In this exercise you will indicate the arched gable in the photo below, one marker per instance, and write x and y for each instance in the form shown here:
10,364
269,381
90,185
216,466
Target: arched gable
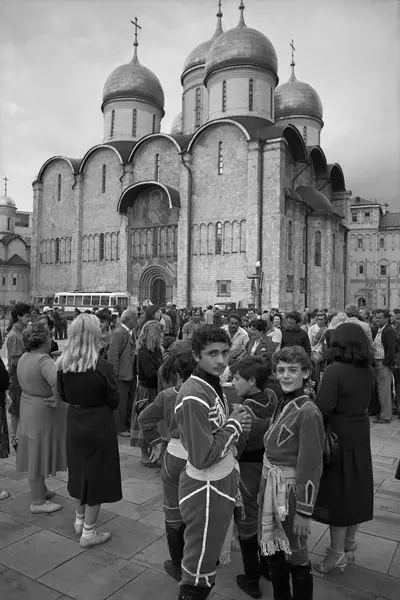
292,136
131,191
318,159
218,122
95,149
72,162
179,146
337,177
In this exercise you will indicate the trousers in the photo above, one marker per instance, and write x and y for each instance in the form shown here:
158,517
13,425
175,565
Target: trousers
171,469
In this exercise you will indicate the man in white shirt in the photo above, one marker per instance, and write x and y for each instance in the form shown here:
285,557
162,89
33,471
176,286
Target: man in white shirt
351,311
239,337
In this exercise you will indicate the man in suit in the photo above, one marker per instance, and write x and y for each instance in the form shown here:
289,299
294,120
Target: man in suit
384,346
122,356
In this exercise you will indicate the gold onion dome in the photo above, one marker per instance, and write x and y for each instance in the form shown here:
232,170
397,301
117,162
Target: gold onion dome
133,80
198,56
7,201
242,46
296,98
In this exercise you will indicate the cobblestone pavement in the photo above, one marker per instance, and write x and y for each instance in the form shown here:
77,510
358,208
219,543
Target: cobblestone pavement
40,558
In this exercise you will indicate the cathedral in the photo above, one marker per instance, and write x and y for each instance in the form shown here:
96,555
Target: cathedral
238,203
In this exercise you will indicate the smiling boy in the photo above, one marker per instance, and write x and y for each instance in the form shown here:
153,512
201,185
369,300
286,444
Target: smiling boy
208,485
290,480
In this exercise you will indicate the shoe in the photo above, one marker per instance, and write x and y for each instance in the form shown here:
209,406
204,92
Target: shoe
4,494
14,443
251,588
150,465
45,509
193,592
350,548
95,540
78,528
380,421
333,560
264,568
302,582
124,434
172,571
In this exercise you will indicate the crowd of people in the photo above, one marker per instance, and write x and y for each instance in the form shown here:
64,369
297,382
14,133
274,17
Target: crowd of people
259,423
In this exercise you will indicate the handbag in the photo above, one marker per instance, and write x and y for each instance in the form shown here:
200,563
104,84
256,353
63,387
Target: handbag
331,450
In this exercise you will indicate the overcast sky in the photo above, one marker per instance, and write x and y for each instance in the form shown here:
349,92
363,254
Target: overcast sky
55,56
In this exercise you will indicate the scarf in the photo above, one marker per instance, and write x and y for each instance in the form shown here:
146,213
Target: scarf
274,508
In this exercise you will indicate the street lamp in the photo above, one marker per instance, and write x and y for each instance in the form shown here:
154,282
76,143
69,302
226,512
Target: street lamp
256,285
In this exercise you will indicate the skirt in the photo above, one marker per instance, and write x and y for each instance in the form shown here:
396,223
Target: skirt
4,440
42,448
143,397
94,474
15,392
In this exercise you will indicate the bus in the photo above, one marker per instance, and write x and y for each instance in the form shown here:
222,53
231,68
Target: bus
42,301
88,300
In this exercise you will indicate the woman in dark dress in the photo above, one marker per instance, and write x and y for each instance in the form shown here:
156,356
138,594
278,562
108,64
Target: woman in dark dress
149,359
87,383
4,441
345,497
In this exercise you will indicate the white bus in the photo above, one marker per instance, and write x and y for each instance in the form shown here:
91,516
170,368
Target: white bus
89,300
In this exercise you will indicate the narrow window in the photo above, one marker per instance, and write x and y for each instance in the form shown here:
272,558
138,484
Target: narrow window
317,252
14,280
103,179
220,159
305,134
334,251
198,107
112,123
223,96
354,218
383,270
304,247
361,270
57,251
154,123
134,122
218,238
8,224
382,243
59,188
251,94
157,168
271,102
101,246
360,243
290,241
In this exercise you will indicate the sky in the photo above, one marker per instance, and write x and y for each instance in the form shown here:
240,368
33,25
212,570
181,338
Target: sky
55,56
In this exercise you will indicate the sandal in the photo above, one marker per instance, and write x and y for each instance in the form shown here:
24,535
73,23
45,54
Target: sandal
380,421
4,495
14,443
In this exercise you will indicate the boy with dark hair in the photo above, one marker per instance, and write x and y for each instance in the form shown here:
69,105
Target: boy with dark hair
250,379
208,485
290,478
179,368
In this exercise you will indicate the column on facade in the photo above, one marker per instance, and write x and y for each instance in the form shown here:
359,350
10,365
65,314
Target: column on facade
36,237
76,250
341,202
183,260
252,221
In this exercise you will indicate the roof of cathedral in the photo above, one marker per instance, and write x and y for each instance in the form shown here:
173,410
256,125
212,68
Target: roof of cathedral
133,80
16,260
242,46
6,201
389,220
123,147
9,237
296,98
315,199
198,55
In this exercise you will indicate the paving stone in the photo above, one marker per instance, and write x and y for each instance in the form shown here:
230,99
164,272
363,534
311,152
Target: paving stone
39,553
130,537
375,553
226,584
139,491
14,586
154,555
125,449
94,575
15,487
385,524
13,529
394,570
389,505
156,518
317,531
327,590
382,460
123,508
390,451
54,484
9,470
3,568
61,522
19,506
390,490
134,469
147,586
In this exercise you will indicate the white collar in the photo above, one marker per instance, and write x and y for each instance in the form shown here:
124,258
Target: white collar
127,329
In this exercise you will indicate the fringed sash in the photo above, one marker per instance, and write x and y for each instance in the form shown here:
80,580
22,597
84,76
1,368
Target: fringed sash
274,507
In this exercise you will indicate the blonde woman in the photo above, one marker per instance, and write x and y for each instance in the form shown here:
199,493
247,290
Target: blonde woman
149,359
87,384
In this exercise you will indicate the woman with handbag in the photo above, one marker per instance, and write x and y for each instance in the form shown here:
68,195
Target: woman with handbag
345,497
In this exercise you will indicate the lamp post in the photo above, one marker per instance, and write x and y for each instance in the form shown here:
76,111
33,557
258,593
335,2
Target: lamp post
256,285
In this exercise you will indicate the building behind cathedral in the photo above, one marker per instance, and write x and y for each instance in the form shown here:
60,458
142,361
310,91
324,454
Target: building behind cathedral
241,180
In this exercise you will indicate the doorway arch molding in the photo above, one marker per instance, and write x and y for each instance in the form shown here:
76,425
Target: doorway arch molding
147,279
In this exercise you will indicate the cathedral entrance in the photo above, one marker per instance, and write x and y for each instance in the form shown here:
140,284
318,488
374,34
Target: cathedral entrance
158,292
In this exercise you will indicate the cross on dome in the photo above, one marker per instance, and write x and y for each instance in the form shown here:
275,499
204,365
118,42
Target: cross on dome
241,8
136,43
6,180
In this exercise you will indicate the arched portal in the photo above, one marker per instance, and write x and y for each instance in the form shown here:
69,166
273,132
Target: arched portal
158,292
157,285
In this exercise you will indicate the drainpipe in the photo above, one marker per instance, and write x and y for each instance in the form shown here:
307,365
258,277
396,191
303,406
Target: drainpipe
189,232
346,237
260,207
298,175
306,263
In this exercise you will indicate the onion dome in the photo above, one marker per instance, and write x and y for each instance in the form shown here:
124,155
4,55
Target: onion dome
296,98
242,46
7,201
198,56
177,126
133,80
